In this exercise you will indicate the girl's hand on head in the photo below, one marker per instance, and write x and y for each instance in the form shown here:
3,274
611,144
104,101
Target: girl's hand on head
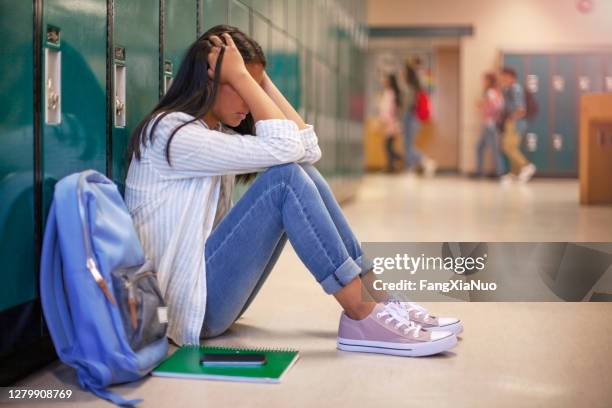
232,66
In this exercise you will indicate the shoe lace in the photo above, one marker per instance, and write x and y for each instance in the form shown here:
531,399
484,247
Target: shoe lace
419,310
393,316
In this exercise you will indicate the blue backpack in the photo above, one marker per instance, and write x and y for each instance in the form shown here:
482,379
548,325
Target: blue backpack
100,298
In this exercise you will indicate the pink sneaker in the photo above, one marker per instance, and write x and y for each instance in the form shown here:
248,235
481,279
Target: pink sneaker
419,315
387,331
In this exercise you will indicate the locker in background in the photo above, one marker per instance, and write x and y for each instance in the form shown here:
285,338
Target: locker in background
73,91
564,114
213,12
180,31
135,84
535,144
239,16
590,70
19,314
276,58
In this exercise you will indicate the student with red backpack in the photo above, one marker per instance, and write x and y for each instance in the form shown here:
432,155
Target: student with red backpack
417,110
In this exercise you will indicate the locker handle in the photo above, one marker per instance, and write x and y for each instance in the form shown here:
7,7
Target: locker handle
53,86
53,96
120,104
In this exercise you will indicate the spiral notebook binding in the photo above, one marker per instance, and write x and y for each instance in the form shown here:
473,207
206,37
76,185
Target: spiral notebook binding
247,349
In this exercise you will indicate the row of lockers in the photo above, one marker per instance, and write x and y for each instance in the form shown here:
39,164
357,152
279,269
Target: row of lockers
557,80
78,77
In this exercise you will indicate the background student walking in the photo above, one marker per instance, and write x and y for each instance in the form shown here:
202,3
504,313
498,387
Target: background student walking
417,110
389,108
491,105
515,126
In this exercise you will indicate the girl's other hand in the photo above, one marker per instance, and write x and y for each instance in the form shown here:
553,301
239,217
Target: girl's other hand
232,66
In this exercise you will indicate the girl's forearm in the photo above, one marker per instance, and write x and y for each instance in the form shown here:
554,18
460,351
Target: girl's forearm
282,103
261,105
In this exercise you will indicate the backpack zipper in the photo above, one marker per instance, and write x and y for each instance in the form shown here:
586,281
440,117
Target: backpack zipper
90,262
129,285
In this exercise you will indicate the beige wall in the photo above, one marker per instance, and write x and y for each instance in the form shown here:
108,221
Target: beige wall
499,24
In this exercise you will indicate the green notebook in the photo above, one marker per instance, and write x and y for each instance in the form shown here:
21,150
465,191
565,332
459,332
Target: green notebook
185,363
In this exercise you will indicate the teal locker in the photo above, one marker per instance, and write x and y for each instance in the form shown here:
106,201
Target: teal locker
19,285
74,90
590,70
517,62
276,58
180,31
563,141
292,80
214,12
535,141
135,75
239,16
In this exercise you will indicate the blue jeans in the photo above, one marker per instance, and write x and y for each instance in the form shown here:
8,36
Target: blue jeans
489,136
412,156
288,201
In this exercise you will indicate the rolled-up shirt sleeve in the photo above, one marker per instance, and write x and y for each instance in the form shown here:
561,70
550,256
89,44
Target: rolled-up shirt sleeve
311,145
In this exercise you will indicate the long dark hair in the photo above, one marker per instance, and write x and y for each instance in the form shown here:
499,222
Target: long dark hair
395,88
412,78
194,93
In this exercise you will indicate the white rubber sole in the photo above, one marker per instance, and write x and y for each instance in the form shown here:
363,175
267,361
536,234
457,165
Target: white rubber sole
455,328
398,349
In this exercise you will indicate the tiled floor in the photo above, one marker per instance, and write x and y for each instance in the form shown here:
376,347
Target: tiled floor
510,355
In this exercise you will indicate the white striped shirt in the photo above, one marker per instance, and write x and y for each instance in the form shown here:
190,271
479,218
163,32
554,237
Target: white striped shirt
174,206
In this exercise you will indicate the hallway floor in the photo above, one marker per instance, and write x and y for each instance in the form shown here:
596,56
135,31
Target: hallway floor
510,354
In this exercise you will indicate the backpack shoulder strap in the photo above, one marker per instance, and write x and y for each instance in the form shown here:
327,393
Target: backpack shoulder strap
53,295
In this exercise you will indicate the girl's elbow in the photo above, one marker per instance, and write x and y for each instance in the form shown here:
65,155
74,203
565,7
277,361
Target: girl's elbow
297,152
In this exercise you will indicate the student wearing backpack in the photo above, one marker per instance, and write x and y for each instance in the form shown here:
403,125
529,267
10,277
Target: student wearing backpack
222,120
417,110
491,105
515,126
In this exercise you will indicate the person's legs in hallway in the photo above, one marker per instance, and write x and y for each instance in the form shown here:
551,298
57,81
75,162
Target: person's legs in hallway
349,239
526,171
285,199
480,151
510,145
346,234
489,137
392,155
412,156
495,150
278,249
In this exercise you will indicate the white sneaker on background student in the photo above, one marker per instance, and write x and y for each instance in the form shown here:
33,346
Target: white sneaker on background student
527,173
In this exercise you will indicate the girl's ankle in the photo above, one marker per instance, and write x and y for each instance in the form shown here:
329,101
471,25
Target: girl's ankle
360,311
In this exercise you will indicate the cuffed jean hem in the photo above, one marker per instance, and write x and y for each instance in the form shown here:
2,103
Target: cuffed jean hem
364,264
348,271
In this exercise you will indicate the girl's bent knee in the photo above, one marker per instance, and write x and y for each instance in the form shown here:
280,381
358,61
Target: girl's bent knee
288,171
